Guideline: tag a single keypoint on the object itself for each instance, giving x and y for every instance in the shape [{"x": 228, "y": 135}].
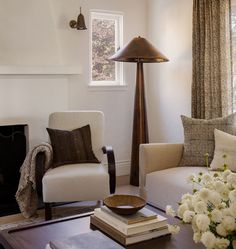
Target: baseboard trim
[{"x": 122, "y": 168}]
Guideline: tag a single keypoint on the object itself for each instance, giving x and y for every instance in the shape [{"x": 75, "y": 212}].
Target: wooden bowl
[{"x": 124, "y": 204}]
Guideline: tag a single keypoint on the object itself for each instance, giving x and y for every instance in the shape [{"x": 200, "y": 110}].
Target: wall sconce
[{"x": 80, "y": 24}]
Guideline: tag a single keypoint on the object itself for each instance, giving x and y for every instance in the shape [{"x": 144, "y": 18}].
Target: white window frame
[{"x": 118, "y": 17}]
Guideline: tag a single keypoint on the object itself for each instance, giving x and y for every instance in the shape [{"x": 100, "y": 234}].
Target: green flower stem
[{"x": 207, "y": 159}]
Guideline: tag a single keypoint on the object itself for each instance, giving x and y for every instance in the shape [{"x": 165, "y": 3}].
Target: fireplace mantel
[{"x": 40, "y": 70}]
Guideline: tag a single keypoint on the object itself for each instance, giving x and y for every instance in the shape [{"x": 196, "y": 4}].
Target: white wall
[
  {"x": 37, "y": 33},
  {"x": 169, "y": 84}
]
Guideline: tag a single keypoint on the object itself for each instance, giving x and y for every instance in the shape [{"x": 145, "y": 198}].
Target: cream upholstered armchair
[
  {"x": 162, "y": 179},
  {"x": 83, "y": 181}
]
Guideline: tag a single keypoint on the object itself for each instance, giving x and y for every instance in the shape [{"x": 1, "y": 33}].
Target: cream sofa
[{"x": 162, "y": 181}]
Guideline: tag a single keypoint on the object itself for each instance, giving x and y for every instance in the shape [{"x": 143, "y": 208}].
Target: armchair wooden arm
[
  {"x": 39, "y": 172},
  {"x": 111, "y": 167}
]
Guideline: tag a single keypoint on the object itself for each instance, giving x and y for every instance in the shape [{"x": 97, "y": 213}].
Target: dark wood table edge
[{"x": 8, "y": 242}]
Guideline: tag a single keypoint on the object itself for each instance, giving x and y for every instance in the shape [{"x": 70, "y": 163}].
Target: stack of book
[{"x": 130, "y": 229}]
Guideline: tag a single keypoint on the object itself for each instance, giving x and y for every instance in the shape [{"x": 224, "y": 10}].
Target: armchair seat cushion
[
  {"x": 165, "y": 187},
  {"x": 74, "y": 182}
]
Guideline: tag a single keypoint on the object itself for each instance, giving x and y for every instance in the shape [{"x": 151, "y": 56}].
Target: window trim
[{"x": 118, "y": 16}]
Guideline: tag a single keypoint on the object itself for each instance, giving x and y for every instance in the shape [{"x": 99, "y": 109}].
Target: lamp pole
[{"x": 140, "y": 124}]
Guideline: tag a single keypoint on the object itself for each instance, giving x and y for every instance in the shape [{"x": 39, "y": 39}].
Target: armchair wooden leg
[{"x": 48, "y": 211}]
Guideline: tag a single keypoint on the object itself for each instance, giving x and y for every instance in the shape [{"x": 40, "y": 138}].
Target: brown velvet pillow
[{"x": 71, "y": 147}]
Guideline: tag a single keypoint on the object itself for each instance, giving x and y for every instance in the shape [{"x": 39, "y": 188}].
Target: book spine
[
  {"x": 147, "y": 227},
  {"x": 147, "y": 236}
]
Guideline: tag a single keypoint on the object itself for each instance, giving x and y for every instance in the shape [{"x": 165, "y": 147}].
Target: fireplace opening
[{"x": 13, "y": 148}]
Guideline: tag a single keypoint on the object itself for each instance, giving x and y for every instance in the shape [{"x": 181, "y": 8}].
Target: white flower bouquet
[{"x": 211, "y": 209}]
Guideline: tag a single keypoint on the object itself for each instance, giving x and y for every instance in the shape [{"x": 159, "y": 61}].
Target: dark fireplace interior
[{"x": 13, "y": 147}]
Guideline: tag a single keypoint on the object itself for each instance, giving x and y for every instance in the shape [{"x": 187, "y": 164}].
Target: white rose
[
  {"x": 200, "y": 207},
  {"x": 226, "y": 173},
  {"x": 188, "y": 216},
  {"x": 231, "y": 180},
  {"x": 186, "y": 196},
  {"x": 226, "y": 212},
  {"x": 204, "y": 194},
  {"x": 170, "y": 211},
  {"x": 232, "y": 209},
  {"x": 216, "y": 216},
  {"x": 228, "y": 223},
  {"x": 194, "y": 225},
  {"x": 221, "y": 230},
  {"x": 222, "y": 205},
  {"x": 221, "y": 243},
  {"x": 208, "y": 239},
  {"x": 234, "y": 244},
  {"x": 215, "y": 198},
  {"x": 202, "y": 222},
  {"x": 221, "y": 188},
  {"x": 206, "y": 178},
  {"x": 232, "y": 195},
  {"x": 197, "y": 237},
  {"x": 195, "y": 199},
  {"x": 173, "y": 229},
  {"x": 182, "y": 208}
]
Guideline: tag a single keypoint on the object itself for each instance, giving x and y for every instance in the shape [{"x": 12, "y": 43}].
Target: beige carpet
[{"x": 16, "y": 220}]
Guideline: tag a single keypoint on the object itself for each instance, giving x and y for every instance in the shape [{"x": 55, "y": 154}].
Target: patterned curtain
[{"x": 212, "y": 90}]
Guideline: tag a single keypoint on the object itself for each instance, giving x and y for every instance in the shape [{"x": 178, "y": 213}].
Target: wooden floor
[{"x": 124, "y": 189}]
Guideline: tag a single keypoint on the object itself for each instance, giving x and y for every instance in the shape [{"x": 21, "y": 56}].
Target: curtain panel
[{"x": 212, "y": 91}]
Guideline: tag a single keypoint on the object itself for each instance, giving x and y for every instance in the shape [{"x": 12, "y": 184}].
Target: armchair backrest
[{"x": 70, "y": 120}]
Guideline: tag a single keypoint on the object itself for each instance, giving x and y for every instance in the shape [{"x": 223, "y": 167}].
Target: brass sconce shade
[
  {"x": 141, "y": 51},
  {"x": 80, "y": 24}
]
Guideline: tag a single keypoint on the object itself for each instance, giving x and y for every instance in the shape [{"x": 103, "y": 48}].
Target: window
[{"x": 106, "y": 38}]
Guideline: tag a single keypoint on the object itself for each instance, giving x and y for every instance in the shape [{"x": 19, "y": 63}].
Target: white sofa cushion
[
  {"x": 76, "y": 182},
  {"x": 165, "y": 187},
  {"x": 225, "y": 144}
]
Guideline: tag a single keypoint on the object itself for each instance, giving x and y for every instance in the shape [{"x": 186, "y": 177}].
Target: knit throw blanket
[{"x": 26, "y": 195}]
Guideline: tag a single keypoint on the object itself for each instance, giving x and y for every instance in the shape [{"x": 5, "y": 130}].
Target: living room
[
  {"x": 46, "y": 67},
  {"x": 48, "y": 41}
]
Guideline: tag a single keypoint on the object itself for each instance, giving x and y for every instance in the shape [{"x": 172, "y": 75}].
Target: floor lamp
[{"x": 140, "y": 51}]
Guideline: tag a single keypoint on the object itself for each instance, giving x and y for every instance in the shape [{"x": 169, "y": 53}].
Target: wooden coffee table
[{"x": 38, "y": 235}]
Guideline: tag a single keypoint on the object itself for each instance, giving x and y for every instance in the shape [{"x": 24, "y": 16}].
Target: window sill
[{"x": 108, "y": 87}]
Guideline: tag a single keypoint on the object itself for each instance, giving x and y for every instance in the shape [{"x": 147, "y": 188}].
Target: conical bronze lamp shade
[{"x": 139, "y": 50}]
